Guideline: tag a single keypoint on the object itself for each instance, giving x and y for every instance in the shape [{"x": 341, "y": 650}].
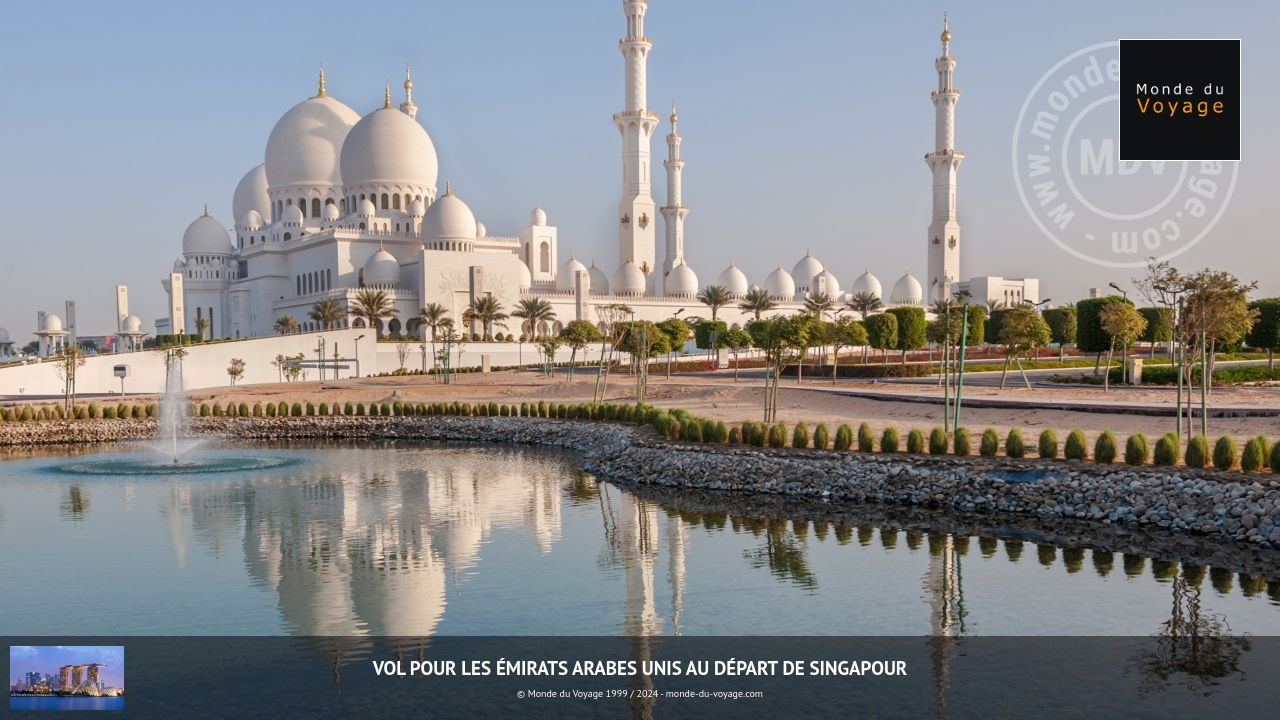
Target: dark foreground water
[{"x": 406, "y": 540}]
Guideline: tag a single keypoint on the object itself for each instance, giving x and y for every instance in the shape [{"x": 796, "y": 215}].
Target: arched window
[
  {"x": 544, "y": 258},
  {"x": 385, "y": 201},
  {"x": 361, "y": 226},
  {"x": 302, "y": 205},
  {"x": 315, "y": 207},
  {"x": 343, "y": 206},
  {"x": 395, "y": 202},
  {"x": 289, "y": 202},
  {"x": 288, "y": 237},
  {"x": 328, "y": 282}
]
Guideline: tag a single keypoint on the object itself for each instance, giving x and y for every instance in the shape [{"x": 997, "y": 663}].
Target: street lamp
[
  {"x": 1169, "y": 294},
  {"x": 357, "y": 358},
  {"x": 1123, "y": 293}
]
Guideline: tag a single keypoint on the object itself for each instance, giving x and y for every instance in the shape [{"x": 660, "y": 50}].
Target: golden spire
[
  {"x": 448, "y": 188},
  {"x": 674, "y": 118},
  {"x": 206, "y": 210},
  {"x": 408, "y": 81},
  {"x": 320, "y": 92},
  {"x": 946, "y": 33},
  {"x": 386, "y": 96}
]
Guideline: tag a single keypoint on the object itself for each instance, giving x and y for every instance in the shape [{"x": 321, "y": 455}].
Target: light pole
[
  {"x": 320, "y": 355},
  {"x": 1176, "y": 360},
  {"x": 358, "y": 339},
  {"x": 1124, "y": 351}
]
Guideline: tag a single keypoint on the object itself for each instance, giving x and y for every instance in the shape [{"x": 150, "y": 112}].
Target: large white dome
[
  {"x": 449, "y": 218},
  {"x": 305, "y": 145},
  {"x": 833, "y": 284},
  {"x": 251, "y": 194},
  {"x": 805, "y": 270},
  {"x": 733, "y": 280},
  {"x": 779, "y": 285},
  {"x": 682, "y": 282},
  {"x": 538, "y": 217},
  {"x": 389, "y": 148},
  {"x": 526, "y": 277},
  {"x": 568, "y": 274},
  {"x": 381, "y": 269},
  {"x": 599, "y": 281},
  {"x": 868, "y": 283},
  {"x": 907, "y": 291},
  {"x": 52, "y": 324},
  {"x": 628, "y": 280},
  {"x": 206, "y": 236}
]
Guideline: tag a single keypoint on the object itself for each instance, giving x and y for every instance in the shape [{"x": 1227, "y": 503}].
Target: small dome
[
  {"x": 305, "y": 144},
  {"x": 628, "y": 280},
  {"x": 682, "y": 282},
  {"x": 733, "y": 280},
  {"x": 52, "y": 324},
  {"x": 331, "y": 212},
  {"x": 526, "y": 277},
  {"x": 868, "y": 283},
  {"x": 133, "y": 324},
  {"x": 599, "y": 281},
  {"x": 833, "y": 285},
  {"x": 449, "y": 218},
  {"x": 206, "y": 236},
  {"x": 292, "y": 215},
  {"x": 538, "y": 217},
  {"x": 568, "y": 274},
  {"x": 907, "y": 291},
  {"x": 417, "y": 208},
  {"x": 251, "y": 194},
  {"x": 387, "y": 147},
  {"x": 805, "y": 270},
  {"x": 381, "y": 269},
  {"x": 367, "y": 208},
  {"x": 251, "y": 220},
  {"x": 780, "y": 285},
  {"x": 481, "y": 230}
]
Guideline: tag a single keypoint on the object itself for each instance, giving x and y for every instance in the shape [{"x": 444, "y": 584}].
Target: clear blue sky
[{"x": 804, "y": 126}]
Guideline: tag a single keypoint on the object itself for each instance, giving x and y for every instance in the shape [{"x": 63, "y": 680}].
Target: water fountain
[{"x": 172, "y": 431}]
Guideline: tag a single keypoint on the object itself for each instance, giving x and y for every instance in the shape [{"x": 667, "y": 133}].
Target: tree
[
  {"x": 994, "y": 304},
  {"x": 432, "y": 316},
  {"x": 779, "y": 338},
  {"x": 487, "y": 311},
  {"x": 1159, "y": 326},
  {"x": 882, "y": 332},
  {"x": 1062, "y": 326},
  {"x": 577, "y": 335},
  {"x": 235, "y": 370},
  {"x": 286, "y": 324},
  {"x": 532, "y": 312},
  {"x": 736, "y": 340},
  {"x": 818, "y": 305},
  {"x": 706, "y": 333},
  {"x": 1123, "y": 323},
  {"x": 69, "y": 362},
  {"x": 374, "y": 306},
  {"x": 757, "y": 302},
  {"x": 864, "y": 302},
  {"x": 977, "y": 332},
  {"x": 1216, "y": 314},
  {"x": 1090, "y": 337},
  {"x": 402, "y": 352},
  {"x": 202, "y": 326},
  {"x": 611, "y": 317},
  {"x": 677, "y": 332},
  {"x": 995, "y": 322},
  {"x": 1022, "y": 332},
  {"x": 845, "y": 332},
  {"x": 1265, "y": 333},
  {"x": 714, "y": 297},
  {"x": 912, "y": 329},
  {"x": 327, "y": 313},
  {"x": 548, "y": 347}
]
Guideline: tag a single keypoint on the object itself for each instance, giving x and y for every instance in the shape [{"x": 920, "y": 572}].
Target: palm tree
[
  {"x": 864, "y": 302},
  {"x": 326, "y": 312},
  {"x": 286, "y": 324},
  {"x": 714, "y": 297},
  {"x": 994, "y": 304},
  {"x": 373, "y": 306},
  {"x": 432, "y": 317},
  {"x": 488, "y": 312},
  {"x": 202, "y": 327},
  {"x": 533, "y": 312},
  {"x": 818, "y": 305},
  {"x": 757, "y": 302}
]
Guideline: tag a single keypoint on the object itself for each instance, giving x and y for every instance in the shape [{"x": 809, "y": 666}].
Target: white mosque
[{"x": 343, "y": 202}]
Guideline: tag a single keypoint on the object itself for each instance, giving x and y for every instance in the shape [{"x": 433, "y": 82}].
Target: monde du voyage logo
[{"x": 1126, "y": 150}]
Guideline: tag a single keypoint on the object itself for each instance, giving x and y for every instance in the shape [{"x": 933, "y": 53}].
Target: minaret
[
  {"x": 407, "y": 107},
  {"x": 674, "y": 212},
  {"x": 636, "y": 221},
  {"x": 944, "y": 161}
]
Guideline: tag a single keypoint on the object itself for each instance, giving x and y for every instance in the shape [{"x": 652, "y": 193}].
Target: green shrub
[
  {"x": 348, "y": 408},
  {"x": 44, "y": 414},
  {"x": 721, "y": 433},
  {"x": 735, "y": 435},
  {"x": 204, "y": 410},
  {"x": 153, "y": 410},
  {"x": 1014, "y": 446},
  {"x": 322, "y": 409},
  {"x": 311, "y": 409},
  {"x": 231, "y": 410},
  {"x": 915, "y": 442},
  {"x": 1076, "y": 448},
  {"x": 243, "y": 410},
  {"x": 800, "y": 436},
  {"x": 1197, "y": 452},
  {"x": 1166, "y": 452},
  {"x": 889, "y": 440},
  {"x": 542, "y": 409},
  {"x": 866, "y": 439},
  {"x": 257, "y": 409},
  {"x": 1047, "y": 447},
  {"x": 989, "y": 445},
  {"x": 271, "y": 409},
  {"x": 1254, "y": 457},
  {"x": 1104, "y": 449},
  {"x": 1136, "y": 450},
  {"x": 757, "y": 435},
  {"x": 282, "y": 409},
  {"x": 693, "y": 432},
  {"x": 844, "y": 437},
  {"x": 1224, "y": 453},
  {"x": 360, "y": 408},
  {"x": 109, "y": 413},
  {"x": 1265, "y": 444},
  {"x": 218, "y": 410},
  {"x": 94, "y": 411},
  {"x": 778, "y": 436},
  {"x": 937, "y": 441},
  {"x": 821, "y": 437},
  {"x": 1274, "y": 458},
  {"x": 296, "y": 409},
  {"x": 960, "y": 443},
  {"x": 123, "y": 411}
]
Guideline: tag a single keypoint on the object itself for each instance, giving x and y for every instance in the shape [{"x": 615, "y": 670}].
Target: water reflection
[{"x": 76, "y": 505}]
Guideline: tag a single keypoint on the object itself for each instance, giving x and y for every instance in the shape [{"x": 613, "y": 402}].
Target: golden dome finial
[
  {"x": 408, "y": 81},
  {"x": 448, "y": 187},
  {"x": 946, "y": 32},
  {"x": 320, "y": 91},
  {"x": 206, "y": 210},
  {"x": 386, "y": 96},
  {"x": 674, "y": 118}
]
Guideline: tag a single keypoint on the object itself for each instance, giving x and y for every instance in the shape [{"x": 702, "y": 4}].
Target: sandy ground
[{"x": 812, "y": 401}]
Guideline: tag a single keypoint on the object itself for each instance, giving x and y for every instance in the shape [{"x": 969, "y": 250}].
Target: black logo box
[{"x": 1187, "y": 68}]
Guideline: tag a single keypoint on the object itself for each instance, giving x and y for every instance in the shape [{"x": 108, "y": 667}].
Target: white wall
[
  {"x": 204, "y": 367},
  {"x": 500, "y": 355}
]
